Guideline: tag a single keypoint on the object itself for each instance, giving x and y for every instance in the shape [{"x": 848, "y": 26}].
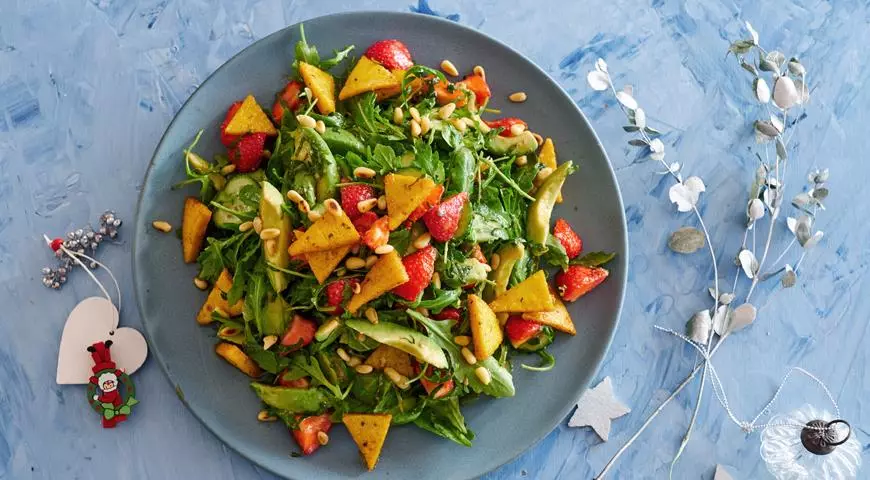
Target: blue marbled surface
[{"x": 87, "y": 88}]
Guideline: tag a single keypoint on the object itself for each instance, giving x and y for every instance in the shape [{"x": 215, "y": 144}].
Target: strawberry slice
[
  {"x": 300, "y": 332},
  {"x": 378, "y": 234},
  {"x": 477, "y": 254},
  {"x": 248, "y": 152},
  {"x": 226, "y": 139},
  {"x": 283, "y": 381},
  {"x": 428, "y": 203},
  {"x": 391, "y": 53},
  {"x": 335, "y": 293},
  {"x": 351, "y": 195},
  {"x": 443, "y": 219},
  {"x": 441, "y": 389},
  {"x": 506, "y": 124},
  {"x": 520, "y": 330},
  {"x": 578, "y": 281},
  {"x": 420, "y": 266},
  {"x": 364, "y": 222},
  {"x": 306, "y": 433},
  {"x": 571, "y": 242},
  {"x": 288, "y": 97},
  {"x": 449, "y": 313}
]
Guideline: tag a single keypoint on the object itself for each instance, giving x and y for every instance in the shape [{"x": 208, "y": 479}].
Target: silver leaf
[
  {"x": 598, "y": 80},
  {"x": 640, "y": 118},
  {"x": 762, "y": 91},
  {"x": 789, "y": 278},
  {"x": 780, "y": 149},
  {"x": 755, "y": 209},
  {"x": 726, "y": 298},
  {"x": 752, "y": 33},
  {"x": 785, "y": 93},
  {"x": 686, "y": 240},
  {"x": 801, "y": 200},
  {"x": 748, "y": 263},
  {"x": 626, "y": 100},
  {"x": 796, "y": 68},
  {"x": 776, "y": 58},
  {"x": 814, "y": 240},
  {"x": 777, "y": 123},
  {"x": 742, "y": 316},
  {"x": 698, "y": 327},
  {"x": 791, "y": 222},
  {"x": 802, "y": 229},
  {"x": 601, "y": 65},
  {"x": 721, "y": 320},
  {"x": 766, "y": 128},
  {"x": 820, "y": 193},
  {"x": 802, "y": 91}
]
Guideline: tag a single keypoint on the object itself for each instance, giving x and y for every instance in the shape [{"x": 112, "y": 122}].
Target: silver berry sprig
[
  {"x": 82, "y": 241},
  {"x": 707, "y": 329}
]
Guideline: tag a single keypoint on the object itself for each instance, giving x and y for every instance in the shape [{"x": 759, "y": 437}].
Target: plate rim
[{"x": 400, "y": 16}]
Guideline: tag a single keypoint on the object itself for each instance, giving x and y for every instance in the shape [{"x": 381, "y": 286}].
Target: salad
[{"x": 376, "y": 251}]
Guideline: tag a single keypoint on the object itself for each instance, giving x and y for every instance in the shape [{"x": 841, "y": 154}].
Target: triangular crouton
[
  {"x": 530, "y": 295},
  {"x": 485, "y": 329},
  {"x": 367, "y": 76},
  {"x": 368, "y": 430},
  {"x": 250, "y": 118},
  {"x": 386, "y": 274},
  {"x": 404, "y": 194},
  {"x": 323, "y": 263},
  {"x": 558, "y": 318},
  {"x": 322, "y": 86},
  {"x": 330, "y": 232}
]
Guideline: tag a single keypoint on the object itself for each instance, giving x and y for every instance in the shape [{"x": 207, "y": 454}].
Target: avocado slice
[
  {"x": 522, "y": 144},
  {"x": 341, "y": 141},
  {"x": 275, "y": 318},
  {"x": 508, "y": 255},
  {"x": 275, "y": 250},
  {"x": 295, "y": 400},
  {"x": 403, "y": 338}
]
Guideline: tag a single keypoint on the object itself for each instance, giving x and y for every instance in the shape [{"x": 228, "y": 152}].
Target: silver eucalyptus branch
[{"x": 707, "y": 330}]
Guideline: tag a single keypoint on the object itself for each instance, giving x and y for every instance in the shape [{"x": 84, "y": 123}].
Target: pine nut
[
  {"x": 483, "y": 375},
  {"x": 307, "y": 92},
  {"x": 320, "y": 127},
  {"x": 294, "y": 196},
  {"x": 245, "y": 226},
  {"x": 459, "y": 124},
  {"x": 436, "y": 280},
  {"x": 517, "y": 97},
  {"x": 332, "y": 207},
  {"x": 422, "y": 311},
  {"x": 479, "y": 71},
  {"x": 162, "y": 226},
  {"x": 447, "y": 110},
  {"x": 356, "y": 288},
  {"x": 400, "y": 380},
  {"x": 538, "y": 138},
  {"x": 306, "y": 121},
  {"x": 382, "y": 202},
  {"x": 370, "y": 261},
  {"x": 269, "y": 340},
  {"x": 258, "y": 225},
  {"x": 372, "y": 315},
  {"x": 423, "y": 240},
  {"x": 314, "y": 216},
  {"x": 228, "y": 169},
  {"x": 521, "y": 160},
  {"x": 322, "y": 438},
  {"x": 468, "y": 356},
  {"x": 364, "y": 369},
  {"x": 354, "y": 263},
  {"x": 425, "y": 125},
  {"x": 384, "y": 249},
  {"x": 303, "y": 206},
  {"x": 263, "y": 416},
  {"x": 543, "y": 174},
  {"x": 270, "y": 233},
  {"x": 517, "y": 129},
  {"x": 354, "y": 361},
  {"x": 200, "y": 283},
  {"x": 342, "y": 354},
  {"x": 361, "y": 337},
  {"x": 398, "y": 115},
  {"x": 462, "y": 340},
  {"x": 415, "y": 114},
  {"x": 416, "y": 130},
  {"x": 494, "y": 260},
  {"x": 366, "y": 205},
  {"x": 363, "y": 172},
  {"x": 327, "y": 328},
  {"x": 449, "y": 68}
]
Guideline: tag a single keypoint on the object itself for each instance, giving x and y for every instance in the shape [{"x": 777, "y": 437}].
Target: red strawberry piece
[
  {"x": 378, "y": 234},
  {"x": 569, "y": 239},
  {"x": 336, "y": 291},
  {"x": 420, "y": 266},
  {"x": 520, "y": 330},
  {"x": 441, "y": 389},
  {"x": 391, "y": 53},
  {"x": 306, "y": 433},
  {"x": 283, "y": 381},
  {"x": 578, "y": 281},
  {"x": 477, "y": 254},
  {"x": 478, "y": 85},
  {"x": 248, "y": 152},
  {"x": 449, "y": 313},
  {"x": 288, "y": 97},
  {"x": 351, "y": 195},
  {"x": 443, "y": 219},
  {"x": 427, "y": 204},
  {"x": 364, "y": 222},
  {"x": 227, "y": 139},
  {"x": 300, "y": 332},
  {"x": 505, "y": 124}
]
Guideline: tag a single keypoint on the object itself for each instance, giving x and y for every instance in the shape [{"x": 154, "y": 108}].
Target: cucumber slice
[{"x": 229, "y": 197}]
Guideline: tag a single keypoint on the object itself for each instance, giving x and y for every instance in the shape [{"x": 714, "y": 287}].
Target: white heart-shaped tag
[{"x": 93, "y": 320}]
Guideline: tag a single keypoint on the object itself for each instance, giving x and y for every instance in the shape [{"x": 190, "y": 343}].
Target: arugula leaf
[
  {"x": 501, "y": 384},
  {"x": 428, "y": 161},
  {"x": 338, "y": 57},
  {"x": 257, "y": 286},
  {"x": 443, "y": 417},
  {"x": 269, "y": 361},
  {"x": 489, "y": 224},
  {"x": 384, "y": 159},
  {"x": 555, "y": 254},
  {"x": 443, "y": 299},
  {"x": 250, "y": 196},
  {"x": 453, "y": 270},
  {"x": 524, "y": 267},
  {"x": 211, "y": 260},
  {"x": 296, "y": 400},
  {"x": 400, "y": 239},
  {"x": 451, "y": 137},
  {"x": 305, "y": 52},
  {"x": 312, "y": 367},
  {"x": 594, "y": 259}
]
